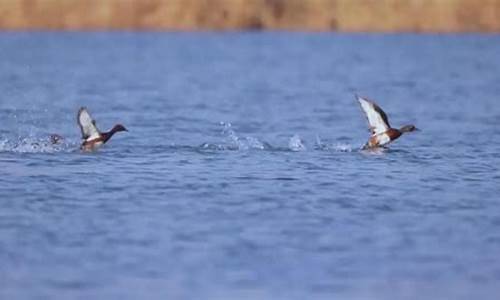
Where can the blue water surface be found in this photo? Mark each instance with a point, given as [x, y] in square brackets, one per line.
[241, 175]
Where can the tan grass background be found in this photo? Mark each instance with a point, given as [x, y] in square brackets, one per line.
[304, 15]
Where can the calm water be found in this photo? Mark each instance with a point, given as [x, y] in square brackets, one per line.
[241, 177]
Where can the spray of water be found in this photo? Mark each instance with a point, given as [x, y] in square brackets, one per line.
[36, 145]
[296, 144]
[337, 147]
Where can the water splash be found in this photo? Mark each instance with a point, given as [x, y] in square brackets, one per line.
[296, 144]
[234, 142]
[36, 145]
[338, 147]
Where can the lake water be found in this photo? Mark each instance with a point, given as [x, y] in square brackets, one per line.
[241, 175]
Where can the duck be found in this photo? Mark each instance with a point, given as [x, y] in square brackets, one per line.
[381, 131]
[92, 137]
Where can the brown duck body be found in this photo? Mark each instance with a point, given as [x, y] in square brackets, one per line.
[383, 139]
[91, 145]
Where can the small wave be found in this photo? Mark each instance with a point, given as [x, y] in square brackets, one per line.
[217, 147]
[35, 145]
[376, 151]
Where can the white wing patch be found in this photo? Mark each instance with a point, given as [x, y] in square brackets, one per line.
[383, 139]
[375, 119]
[87, 125]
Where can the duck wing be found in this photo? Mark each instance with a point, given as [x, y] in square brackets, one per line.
[377, 119]
[87, 125]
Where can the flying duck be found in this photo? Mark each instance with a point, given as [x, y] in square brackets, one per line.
[92, 137]
[381, 132]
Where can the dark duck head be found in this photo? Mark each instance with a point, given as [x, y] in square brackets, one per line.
[408, 128]
[119, 127]
[92, 137]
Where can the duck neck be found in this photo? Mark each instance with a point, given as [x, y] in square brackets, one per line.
[107, 135]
